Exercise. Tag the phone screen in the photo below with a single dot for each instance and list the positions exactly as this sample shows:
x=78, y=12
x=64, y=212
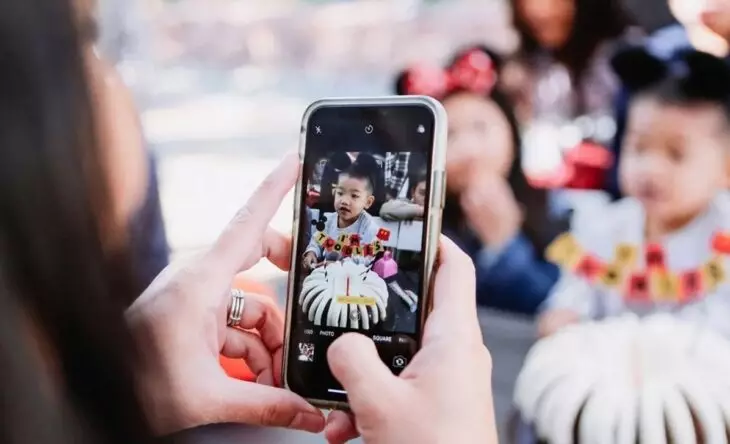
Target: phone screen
x=360, y=264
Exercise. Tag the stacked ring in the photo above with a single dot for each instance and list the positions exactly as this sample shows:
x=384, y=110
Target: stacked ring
x=236, y=308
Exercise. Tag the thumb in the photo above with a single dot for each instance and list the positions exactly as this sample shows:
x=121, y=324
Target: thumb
x=260, y=405
x=354, y=361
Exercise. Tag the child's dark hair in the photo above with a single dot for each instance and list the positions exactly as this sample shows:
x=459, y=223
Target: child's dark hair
x=366, y=168
x=691, y=77
x=537, y=225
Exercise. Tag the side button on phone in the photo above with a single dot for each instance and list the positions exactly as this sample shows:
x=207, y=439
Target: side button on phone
x=442, y=185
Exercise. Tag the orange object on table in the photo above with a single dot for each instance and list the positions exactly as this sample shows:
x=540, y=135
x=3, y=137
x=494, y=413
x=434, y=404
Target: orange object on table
x=237, y=368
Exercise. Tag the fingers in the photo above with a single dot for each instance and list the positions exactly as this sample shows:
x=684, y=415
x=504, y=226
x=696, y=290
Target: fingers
x=355, y=363
x=260, y=405
x=249, y=347
x=261, y=313
x=277, y=249
x=454, y=296
x=340, y=428
x=242, y=236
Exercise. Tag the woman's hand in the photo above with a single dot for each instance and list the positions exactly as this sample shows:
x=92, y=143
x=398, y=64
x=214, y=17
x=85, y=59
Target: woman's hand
x=492, y=210
x=180, y=324
x=444, y=395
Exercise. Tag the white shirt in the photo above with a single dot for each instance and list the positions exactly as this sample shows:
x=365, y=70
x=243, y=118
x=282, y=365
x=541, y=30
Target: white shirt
x=598, y=234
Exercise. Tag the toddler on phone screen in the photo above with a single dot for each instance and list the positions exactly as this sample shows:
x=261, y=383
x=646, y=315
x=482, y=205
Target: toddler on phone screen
x=664, y=248
x=350, y=225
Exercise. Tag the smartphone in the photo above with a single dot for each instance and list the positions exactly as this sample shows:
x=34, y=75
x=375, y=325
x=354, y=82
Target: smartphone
x=367, y=219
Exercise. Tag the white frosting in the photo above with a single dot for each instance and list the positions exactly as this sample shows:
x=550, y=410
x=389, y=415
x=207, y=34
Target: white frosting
x=628, y=380
x=323, y=290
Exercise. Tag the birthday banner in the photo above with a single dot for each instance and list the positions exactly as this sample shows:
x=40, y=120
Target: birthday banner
x=653, y=283
x=349, y=245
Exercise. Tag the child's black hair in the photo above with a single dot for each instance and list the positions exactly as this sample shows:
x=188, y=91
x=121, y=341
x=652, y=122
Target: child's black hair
x=366, y=168
x=539, y=228
x=691, y=77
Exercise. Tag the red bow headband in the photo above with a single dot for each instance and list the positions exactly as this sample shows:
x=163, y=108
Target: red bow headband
x=474, y=72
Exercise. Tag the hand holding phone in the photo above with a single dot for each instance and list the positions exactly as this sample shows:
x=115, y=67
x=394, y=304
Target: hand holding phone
x=451, y=372
x=355, y=271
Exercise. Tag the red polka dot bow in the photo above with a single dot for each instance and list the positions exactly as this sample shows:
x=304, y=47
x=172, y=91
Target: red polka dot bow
x=474, y=72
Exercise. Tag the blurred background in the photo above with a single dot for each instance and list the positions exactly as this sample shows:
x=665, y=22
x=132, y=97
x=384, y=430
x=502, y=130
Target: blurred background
x=222, y=84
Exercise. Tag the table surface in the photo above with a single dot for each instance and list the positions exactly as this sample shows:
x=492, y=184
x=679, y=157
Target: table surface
x=508, y=338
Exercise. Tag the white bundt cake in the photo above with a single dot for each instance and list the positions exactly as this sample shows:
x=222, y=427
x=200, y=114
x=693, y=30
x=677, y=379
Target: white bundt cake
x=344, y=294
x=628, y=380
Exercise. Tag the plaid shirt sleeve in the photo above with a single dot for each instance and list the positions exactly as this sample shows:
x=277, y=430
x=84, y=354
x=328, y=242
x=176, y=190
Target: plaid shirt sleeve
x=396, y=170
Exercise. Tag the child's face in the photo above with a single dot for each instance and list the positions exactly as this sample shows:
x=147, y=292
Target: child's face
x=550, y=21
x=480, y=139
x=419, y=193
x=352, y=196
x=674, y=158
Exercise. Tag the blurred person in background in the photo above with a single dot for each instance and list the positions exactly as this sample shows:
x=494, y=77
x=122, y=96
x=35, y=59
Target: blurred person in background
x=664, y=247
x=563, y=57
x=131, y=167
x=78, y=368
x=561, y=82
x=491, y=211
x=704, y=26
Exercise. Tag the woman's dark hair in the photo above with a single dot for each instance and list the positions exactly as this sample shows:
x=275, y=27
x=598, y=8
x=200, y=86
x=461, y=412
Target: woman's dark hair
x=63, y=283
x=691, y=77
x=595, y=22
x=537, y=225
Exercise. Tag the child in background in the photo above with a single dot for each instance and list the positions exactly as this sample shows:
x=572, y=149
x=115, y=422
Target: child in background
x=405, y=209
x=662, y=248
x=353, y=196
x=711, y=21
x=490, y=211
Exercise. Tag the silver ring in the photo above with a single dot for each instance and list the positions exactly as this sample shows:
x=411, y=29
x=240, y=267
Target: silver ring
x=236, y=310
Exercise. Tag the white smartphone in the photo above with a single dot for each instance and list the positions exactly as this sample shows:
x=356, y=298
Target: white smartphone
x=367, y=220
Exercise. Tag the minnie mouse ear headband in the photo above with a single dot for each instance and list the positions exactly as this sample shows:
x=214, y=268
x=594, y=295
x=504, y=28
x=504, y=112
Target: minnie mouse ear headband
x=694, y=74
x=475, y=70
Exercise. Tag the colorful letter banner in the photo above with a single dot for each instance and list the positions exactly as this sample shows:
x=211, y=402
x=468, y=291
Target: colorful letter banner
x=654, y=283
x=351, y=244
